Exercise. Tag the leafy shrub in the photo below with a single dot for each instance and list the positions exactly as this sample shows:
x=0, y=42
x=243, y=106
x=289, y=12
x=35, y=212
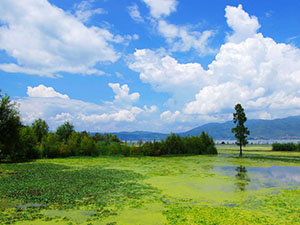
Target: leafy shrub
x=285, y=147
x=211, y=150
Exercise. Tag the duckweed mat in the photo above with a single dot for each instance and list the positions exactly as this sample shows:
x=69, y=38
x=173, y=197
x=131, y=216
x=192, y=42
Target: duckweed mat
x=260, y=188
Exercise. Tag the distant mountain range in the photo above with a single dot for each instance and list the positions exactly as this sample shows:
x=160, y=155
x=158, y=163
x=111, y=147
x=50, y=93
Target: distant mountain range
x=286, y=128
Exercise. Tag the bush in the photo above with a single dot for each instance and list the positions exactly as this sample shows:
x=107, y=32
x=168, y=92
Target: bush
x=285, y=147
x=210, y=150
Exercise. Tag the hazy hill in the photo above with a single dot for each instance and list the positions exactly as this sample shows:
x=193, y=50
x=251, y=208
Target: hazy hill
x=140, y=135
x=259, y=129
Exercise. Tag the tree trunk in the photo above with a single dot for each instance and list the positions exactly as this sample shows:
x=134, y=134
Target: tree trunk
x=241, y=150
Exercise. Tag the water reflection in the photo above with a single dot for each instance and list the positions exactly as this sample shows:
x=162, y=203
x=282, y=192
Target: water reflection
x=242, y=178
x=254, y=178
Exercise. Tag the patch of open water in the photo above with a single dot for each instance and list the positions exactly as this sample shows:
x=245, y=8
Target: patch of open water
x=254, y=178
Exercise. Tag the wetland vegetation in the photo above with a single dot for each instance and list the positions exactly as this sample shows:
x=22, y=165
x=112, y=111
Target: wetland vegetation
x=259, y=188
x=186, y=183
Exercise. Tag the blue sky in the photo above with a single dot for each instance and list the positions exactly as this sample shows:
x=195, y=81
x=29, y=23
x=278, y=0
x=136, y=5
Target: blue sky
x=153, y=65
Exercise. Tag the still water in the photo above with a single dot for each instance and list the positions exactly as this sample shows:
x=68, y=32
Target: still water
x=253, y=178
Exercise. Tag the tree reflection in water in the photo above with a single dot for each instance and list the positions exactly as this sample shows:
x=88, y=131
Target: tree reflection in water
x=242, y=178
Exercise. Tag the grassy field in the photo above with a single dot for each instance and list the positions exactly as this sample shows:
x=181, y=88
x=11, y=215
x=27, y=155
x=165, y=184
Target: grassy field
x=223, y=189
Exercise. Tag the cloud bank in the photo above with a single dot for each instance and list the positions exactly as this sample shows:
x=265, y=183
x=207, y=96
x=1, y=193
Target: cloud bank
x=249, y=68
x=31, y=34
x=56, y=108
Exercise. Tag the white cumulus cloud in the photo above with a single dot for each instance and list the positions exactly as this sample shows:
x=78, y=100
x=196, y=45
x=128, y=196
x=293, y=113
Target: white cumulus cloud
x=122, y=93
x=169, y=117
x=42, y=91
x=44, y=40
x=262, y=75
x=243, y=25
x=166, y=74
x=56, y=108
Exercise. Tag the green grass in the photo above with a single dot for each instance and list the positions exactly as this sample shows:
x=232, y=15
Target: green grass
x=148, y=190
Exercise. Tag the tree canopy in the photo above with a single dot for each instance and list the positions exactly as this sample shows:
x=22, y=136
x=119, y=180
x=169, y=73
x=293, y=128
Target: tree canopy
x=40, y=128
x=10, y=125
x=64, y=131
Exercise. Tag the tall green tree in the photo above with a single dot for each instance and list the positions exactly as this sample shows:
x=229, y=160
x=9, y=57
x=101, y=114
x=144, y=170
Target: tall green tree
x=174, y=144
x=28, y=143
x=88, y=146
x=10, y=125
x=40, y=128
x=240, y=131
x=74, y=143
x=50, y=145
x=64, y=131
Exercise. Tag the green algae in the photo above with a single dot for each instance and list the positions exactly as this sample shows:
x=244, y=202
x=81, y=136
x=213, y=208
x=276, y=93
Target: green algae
x=77, y=216
x=147, y=215
x=224, y=189
x=282, y=208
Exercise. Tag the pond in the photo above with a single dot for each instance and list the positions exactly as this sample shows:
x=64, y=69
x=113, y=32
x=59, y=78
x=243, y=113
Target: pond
x=221, y=180
x=260, y=188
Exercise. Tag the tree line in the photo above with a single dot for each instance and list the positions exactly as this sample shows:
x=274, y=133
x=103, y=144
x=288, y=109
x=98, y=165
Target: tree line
x=26, y=142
